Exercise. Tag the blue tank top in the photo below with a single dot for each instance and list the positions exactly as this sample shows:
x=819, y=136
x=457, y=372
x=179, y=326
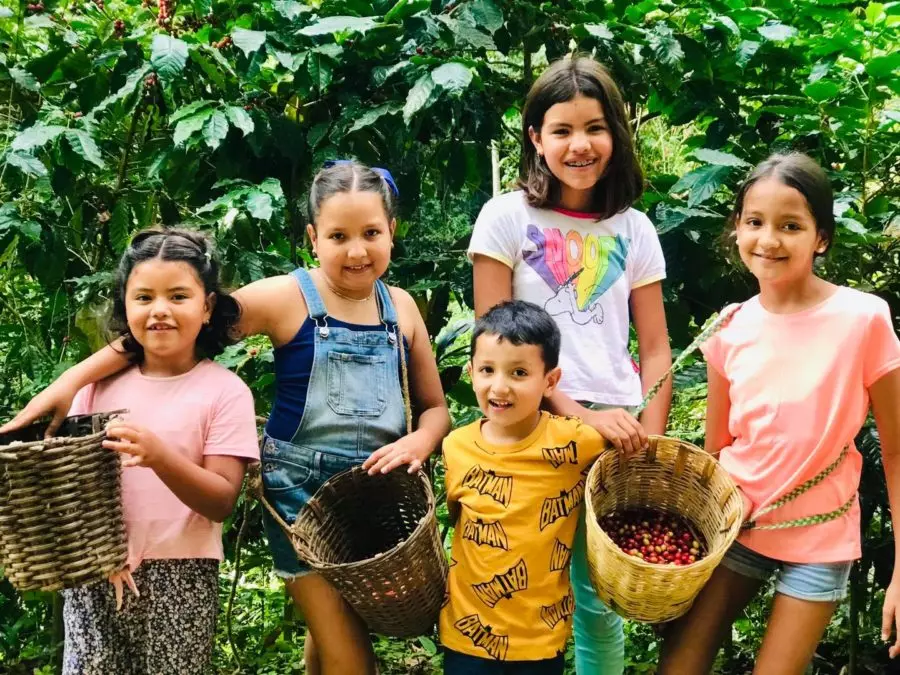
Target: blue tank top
x=293, y=366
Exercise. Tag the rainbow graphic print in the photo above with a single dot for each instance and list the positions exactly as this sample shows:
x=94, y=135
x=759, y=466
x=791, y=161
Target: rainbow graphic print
x=579, y=270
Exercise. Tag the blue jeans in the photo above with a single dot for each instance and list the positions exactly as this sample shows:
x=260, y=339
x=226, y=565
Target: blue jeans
x=456, y=663
x=599, y=640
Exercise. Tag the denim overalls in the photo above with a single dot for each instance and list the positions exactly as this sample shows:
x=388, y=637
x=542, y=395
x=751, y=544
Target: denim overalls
x=354, y=405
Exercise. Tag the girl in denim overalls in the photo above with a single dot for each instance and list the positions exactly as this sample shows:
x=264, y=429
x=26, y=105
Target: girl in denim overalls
x=339, y=403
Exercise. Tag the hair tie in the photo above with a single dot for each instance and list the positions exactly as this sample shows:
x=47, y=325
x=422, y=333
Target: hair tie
x=384, y=173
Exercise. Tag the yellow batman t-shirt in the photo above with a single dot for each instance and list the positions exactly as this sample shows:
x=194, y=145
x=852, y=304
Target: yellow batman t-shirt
x=509, y=596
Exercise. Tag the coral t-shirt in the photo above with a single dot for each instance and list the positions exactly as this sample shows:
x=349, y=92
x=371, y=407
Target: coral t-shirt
x=206, y=411
x=799, y=394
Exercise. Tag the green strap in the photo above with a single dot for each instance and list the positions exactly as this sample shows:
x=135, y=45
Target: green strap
x=720, y=322
x=796, y=492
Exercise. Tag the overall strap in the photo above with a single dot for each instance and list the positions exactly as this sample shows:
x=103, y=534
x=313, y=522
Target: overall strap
x=314, y=302
x=386, y=310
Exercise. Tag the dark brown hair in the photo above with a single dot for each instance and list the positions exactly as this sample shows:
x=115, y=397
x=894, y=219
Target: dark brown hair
x=802, y=173
x=623, y=182
x=348, y=176
x=177, y=245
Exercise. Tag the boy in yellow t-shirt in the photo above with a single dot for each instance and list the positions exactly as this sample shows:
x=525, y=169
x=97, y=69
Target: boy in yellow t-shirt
x=515, y=483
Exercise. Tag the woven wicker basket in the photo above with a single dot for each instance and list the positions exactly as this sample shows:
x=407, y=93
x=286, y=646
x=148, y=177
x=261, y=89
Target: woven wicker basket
x=60, y=506
x=674, y=477
x=375, y=539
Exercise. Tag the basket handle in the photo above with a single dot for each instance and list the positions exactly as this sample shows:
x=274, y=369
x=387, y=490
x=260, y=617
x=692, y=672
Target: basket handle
x=720, y=322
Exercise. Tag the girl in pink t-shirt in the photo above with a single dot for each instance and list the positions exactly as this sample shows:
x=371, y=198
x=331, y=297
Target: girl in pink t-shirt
x=188, y=434
x=791, y=378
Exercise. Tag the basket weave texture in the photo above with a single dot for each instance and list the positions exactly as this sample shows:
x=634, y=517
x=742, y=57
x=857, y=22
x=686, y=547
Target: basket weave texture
x=61, y=521
x=375, y=539
x=674, y=477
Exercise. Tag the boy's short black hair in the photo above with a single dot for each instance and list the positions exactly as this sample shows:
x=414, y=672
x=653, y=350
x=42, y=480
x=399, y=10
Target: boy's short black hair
x=522, y=323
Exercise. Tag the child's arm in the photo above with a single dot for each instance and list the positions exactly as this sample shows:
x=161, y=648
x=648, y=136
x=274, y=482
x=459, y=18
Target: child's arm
x=427, y=395
x=492, y=285
x=211, y=489
x=57, y=398
x=718, y=408
x=885, y=394
x=649, y=318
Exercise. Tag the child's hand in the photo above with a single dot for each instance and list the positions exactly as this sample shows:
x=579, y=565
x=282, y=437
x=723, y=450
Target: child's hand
x=619, y=427
x=145, y=447
x=55, y=399
x=407, y=450
x=890, y=616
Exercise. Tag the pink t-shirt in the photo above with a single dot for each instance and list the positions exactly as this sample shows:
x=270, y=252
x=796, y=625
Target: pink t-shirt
x=206, y=411
x=799, y=394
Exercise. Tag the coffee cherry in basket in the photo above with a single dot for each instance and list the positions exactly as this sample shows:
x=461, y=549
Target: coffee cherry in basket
x=654, y=536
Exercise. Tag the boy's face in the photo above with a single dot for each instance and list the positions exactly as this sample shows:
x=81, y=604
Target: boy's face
x=510, y=382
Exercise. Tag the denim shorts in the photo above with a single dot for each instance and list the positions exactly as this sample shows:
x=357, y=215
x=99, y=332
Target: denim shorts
x=815, y=582
x=291, y=476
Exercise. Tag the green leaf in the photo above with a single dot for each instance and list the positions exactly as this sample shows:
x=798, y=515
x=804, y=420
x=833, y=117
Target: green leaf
x=135, y=78
x=852, y=225
x=39, y=21
x=24, y=79
x=745, y=51
x=419, y=97
x=665, y=46
x=884, y=66
x=382, y=74
x=287, y=59
x=317, y=134
x=189, y=110
x=405, y=8
x=371, y=116
x=272, y=186
x=248, y=41
x=27, y=164
x=215, y=129
x=11, y=221
x=168, y=56
x=120, y=226
x=289, y=9
x=701, y=183
x=259, y=205
x=5, y=12
x=487, y=15
x=335, y=25
x=822, y=90
x=600, y=31
x=189, y=126
x=465, y=35
x=83, y=143
x=776, y=31
x=718, y=157
x=671, y=217
x=452, y=77
x=36, y=136
x=240, y=119
x=320, y=69
x=728, y=23
x=428, y=645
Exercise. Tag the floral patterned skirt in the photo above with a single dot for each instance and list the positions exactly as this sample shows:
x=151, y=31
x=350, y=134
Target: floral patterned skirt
x=168, y=630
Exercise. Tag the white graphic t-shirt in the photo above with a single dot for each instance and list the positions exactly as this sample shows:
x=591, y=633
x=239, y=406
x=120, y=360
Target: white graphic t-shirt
x=582, y=272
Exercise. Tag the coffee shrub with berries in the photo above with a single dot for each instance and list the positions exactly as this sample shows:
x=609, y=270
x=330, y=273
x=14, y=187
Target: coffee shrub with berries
x=654, y=536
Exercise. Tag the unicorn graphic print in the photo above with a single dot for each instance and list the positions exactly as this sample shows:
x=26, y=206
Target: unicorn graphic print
x=578, y=270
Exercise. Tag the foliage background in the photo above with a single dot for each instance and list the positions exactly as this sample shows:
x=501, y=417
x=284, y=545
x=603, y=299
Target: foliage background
x=121, y=114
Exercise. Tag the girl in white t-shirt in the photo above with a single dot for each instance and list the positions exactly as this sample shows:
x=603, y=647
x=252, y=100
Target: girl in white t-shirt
x=570, y=242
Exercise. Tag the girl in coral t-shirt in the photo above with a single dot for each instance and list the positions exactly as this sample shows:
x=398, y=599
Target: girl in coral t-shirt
x=791, y=377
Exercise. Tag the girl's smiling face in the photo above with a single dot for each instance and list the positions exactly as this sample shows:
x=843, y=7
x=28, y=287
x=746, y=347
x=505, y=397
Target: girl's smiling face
x=352, y=239
x=166, y=307
x=777, y=235
x=577, y=144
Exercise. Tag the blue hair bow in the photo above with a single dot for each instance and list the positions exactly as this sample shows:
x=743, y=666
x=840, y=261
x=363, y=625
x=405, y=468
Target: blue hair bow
x=384, y=173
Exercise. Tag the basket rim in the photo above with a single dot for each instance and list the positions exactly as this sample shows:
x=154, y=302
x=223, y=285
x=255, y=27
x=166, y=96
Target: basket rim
x=709, y=560
x=390, y=553
x=53, y=442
